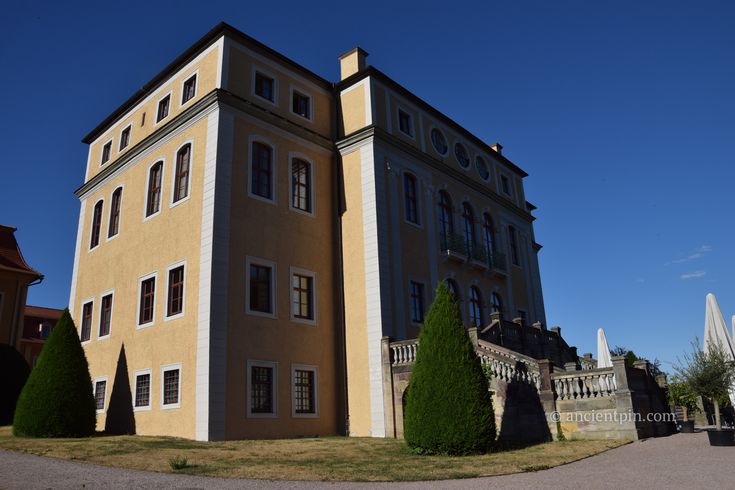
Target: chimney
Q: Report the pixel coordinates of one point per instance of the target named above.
(498, 148)
(351, 62)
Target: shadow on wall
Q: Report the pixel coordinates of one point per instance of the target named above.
(120, 418)
(14, 375)
(524, 420)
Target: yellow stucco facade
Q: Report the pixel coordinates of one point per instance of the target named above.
(299, 253)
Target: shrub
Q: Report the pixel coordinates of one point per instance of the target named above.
(448, 406)
(57, 400)
(178, 463)
(681, 395)
(14, 371)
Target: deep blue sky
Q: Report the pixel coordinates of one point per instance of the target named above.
(622, 113)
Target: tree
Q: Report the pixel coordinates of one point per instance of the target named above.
(681, 395)
(57, 399)
(708, 374)
(630, 357)
(448, 405)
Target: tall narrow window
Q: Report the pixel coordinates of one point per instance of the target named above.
(301, 104)
(446, 222)
(86, 332)
(301, 185)
(505, 184)
(105, 315)
(94, 239)
(181, 182)
(468, 227)
(405, 123)
(496, 303)
(453, 289)
(106, 150)
(171, 378)
(153, 203)
(303, 296)
(163, 107)
(265, 86)
(260, 288)
(410, 199)
(489, 235)
(175, 302)
(261, 390)
(125, 138)
(100, 387)
(114, 225)
(417, 302)
(262, 170)
(143, 390)
(513, 239)
(147, 298)
(304, 391)
(475, 307)
(189, 89)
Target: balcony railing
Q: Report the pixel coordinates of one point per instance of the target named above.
(498, 262)
(454, 246)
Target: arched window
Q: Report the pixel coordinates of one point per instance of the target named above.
(410, 199)
(453, 289)
(301, 185)
(475, 307)
(153, 202)
(114, 225)
(446, 223)
(181, 182)
(496, 303)
(489, 235)
(262, 170)
(468, 226)
(94, 239)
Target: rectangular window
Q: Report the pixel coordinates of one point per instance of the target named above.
(411, 200)
(262, 170)
(262, 389)
(114, 225)
(405, 123)
(260, 288)
(155, 175)
(175, 303)
(303, 296)
(171, 387)
(106, 150)
(143, 390)
(301, 104)
(94, 238)
(513, 238)
(505, 184)
(181, 179)
(86, 332)
(265, 86)
(125, 138)
(417, 302)
(100, 388)
(301, 185)
(304, 391)
(163, 106)
(147, 297)
(105, 315)
(189, 89)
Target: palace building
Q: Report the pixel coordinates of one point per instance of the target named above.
(251, 235)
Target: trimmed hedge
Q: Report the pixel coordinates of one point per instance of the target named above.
(14, 371)
(448, 406)
(57, 400)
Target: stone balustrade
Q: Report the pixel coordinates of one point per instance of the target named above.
(403, 352)
(590, 383)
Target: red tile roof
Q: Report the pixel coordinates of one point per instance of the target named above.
(43, 312)
(10, 257)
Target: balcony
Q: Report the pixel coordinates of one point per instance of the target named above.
(478, 257)
(498, 262)
(453, 247)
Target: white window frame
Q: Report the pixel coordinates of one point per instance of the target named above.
(102, 152)
(94, 392)
(158, 103)
(171, 367)
(258, 69)
(112, 309)
(303, 272)
(138, 325)
(274, 303)
(142, 372)
(419, 207)
(171, 203)
(81, 321)
(91, 225)
(147, 183)
(412, 125)
(312, 196)
(315, 370)
(175, 265)
(185, 79)
(130, 137)
(305, 93)
(253, 138)
(274, 389)
(119, 217)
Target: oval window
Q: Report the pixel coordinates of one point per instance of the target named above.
(439, 141)
(482, 168)
(461, 153)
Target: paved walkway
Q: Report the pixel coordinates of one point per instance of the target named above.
(682, 461)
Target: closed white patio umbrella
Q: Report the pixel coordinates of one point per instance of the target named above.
(603, 350)
(716, 332)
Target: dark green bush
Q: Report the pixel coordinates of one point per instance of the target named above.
(14, 371)
(448, 406)
(57, 399)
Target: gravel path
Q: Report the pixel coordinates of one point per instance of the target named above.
(683, 461)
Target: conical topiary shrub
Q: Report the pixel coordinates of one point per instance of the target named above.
(448, 407)
(57, 399)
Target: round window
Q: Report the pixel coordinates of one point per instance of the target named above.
(461, 153)
(482, 168)
(439, 141)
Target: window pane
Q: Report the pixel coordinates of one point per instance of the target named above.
(261, 170)
(163, 108)
(260, 288)
(143, 390)
(114, 225)
(99, 394)
(301, 185)
(171, 387)
(105, 315)
(261, 389)
(181, 184)
(96, 225)
(147, 294)
(303, 297)
(264, 86)
(304, 391)
(175, 291)
(86, 322)
(189, 89)
(154, 189)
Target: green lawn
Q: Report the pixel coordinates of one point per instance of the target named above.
(328, 458)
